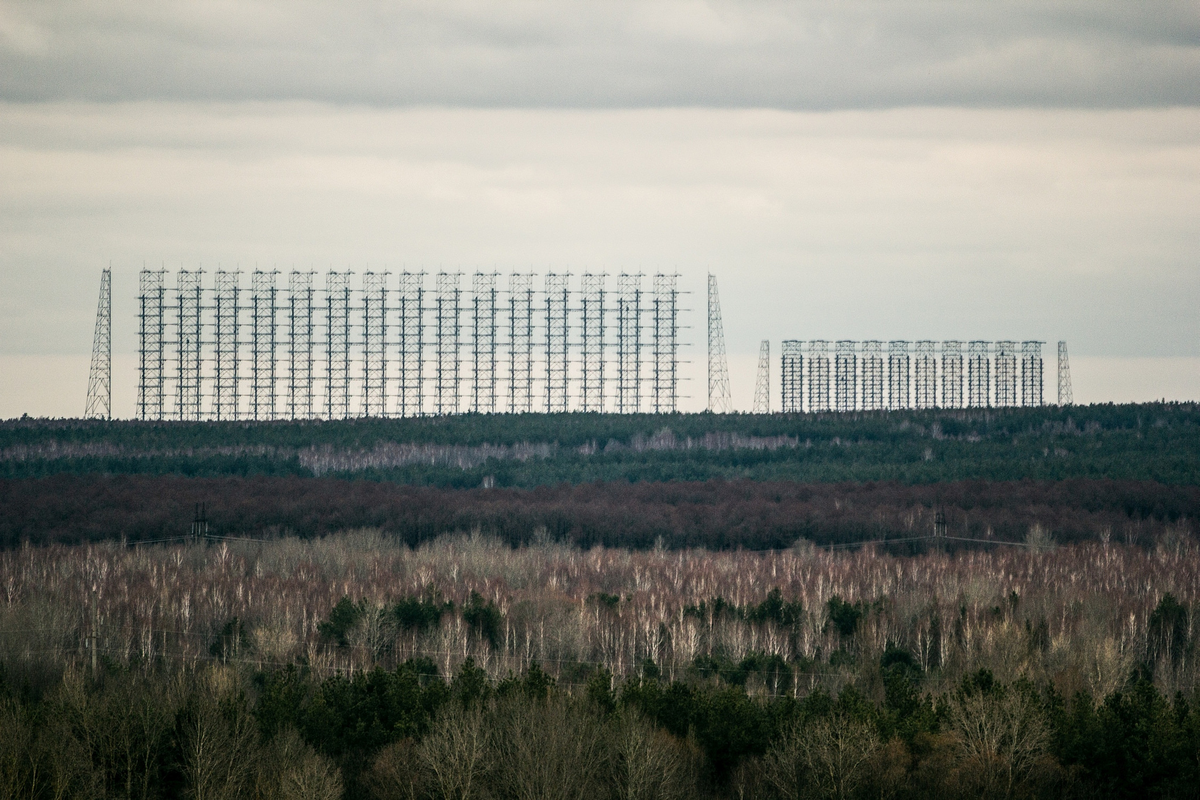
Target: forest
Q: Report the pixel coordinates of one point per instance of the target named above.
(356, 666)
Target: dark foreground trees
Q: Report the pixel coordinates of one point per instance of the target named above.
(220, 732)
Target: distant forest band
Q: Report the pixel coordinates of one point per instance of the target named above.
(392, 347)
(876, 375)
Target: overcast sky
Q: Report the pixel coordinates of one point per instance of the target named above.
(887, 169)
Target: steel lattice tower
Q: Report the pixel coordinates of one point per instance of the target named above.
(558, 296)
(979, 376)
(264, 310)
(411, 402)
(791, 376)
(818, 375)
(520, 343)
(1031, 373)
(375, 332)
(952, 374)
(226, 329)
(483, 343)
(899, 374)
(629, 343)
(666, 344)
(99, 391)
(189, 297)
(152, 396)
(591, 395)
(447, 313)
(1065, 396)
(300, 345)
(872, 376)
(845, 375)
(720, 400)
(337, 345)
(925, 375)
(762, 384)
(1006, 374)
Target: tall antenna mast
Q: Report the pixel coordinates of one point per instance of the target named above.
(1065, 396)
(719, 400)
(762, 387)
(99, 393)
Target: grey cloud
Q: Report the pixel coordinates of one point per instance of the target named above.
(608, 53)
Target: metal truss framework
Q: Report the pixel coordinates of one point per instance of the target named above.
(152, 393)
(665, 390)
(520, 343)
(818, 375)
(558, 304)
(952, 374)
(300, 401)
(872, 376)
(483, 342)
(898, 375)
(1066, 397)
(411, 344)
(762, 383)
(925, 374)
(629, 343)
(591, 387)
(720, 399)
(1006, 374)
(448, 335)
(337, 345)
(1031, 373)
(791, 376)
(979, 374)
(375, 316)
(188, 346)
(845, 375)
(99, 391)
(264, 310)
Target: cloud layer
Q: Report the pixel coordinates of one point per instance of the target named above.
(608, 53)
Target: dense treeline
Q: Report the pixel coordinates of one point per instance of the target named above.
(1159, 442)
(227, 732)
(712, 514)
(354, 666)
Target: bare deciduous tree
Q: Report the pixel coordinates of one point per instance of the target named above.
(1000, 739)
(547, 750)
(648, 762)
(456, 754)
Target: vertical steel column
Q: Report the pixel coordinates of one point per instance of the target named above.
(483, 343)
(412, 344)
(449, 338)
(629, 343)
(1006, 374)
(899, 374)
(520, 343)
(979, 374)
(375, 329)
(337, 345)
(591, 396)
(300, 346)
(98, 404)
(558, 295)
(1031, 373)
(226, 401)
(263, 344)
(791, 376)
(818, 375)
(925, 375)
(189, 298)
(666, 344)
(1066, 397)
(720, 399)
(872, 376)
(151, 400)
(952, 374)
(762, 383)
(845, 375)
